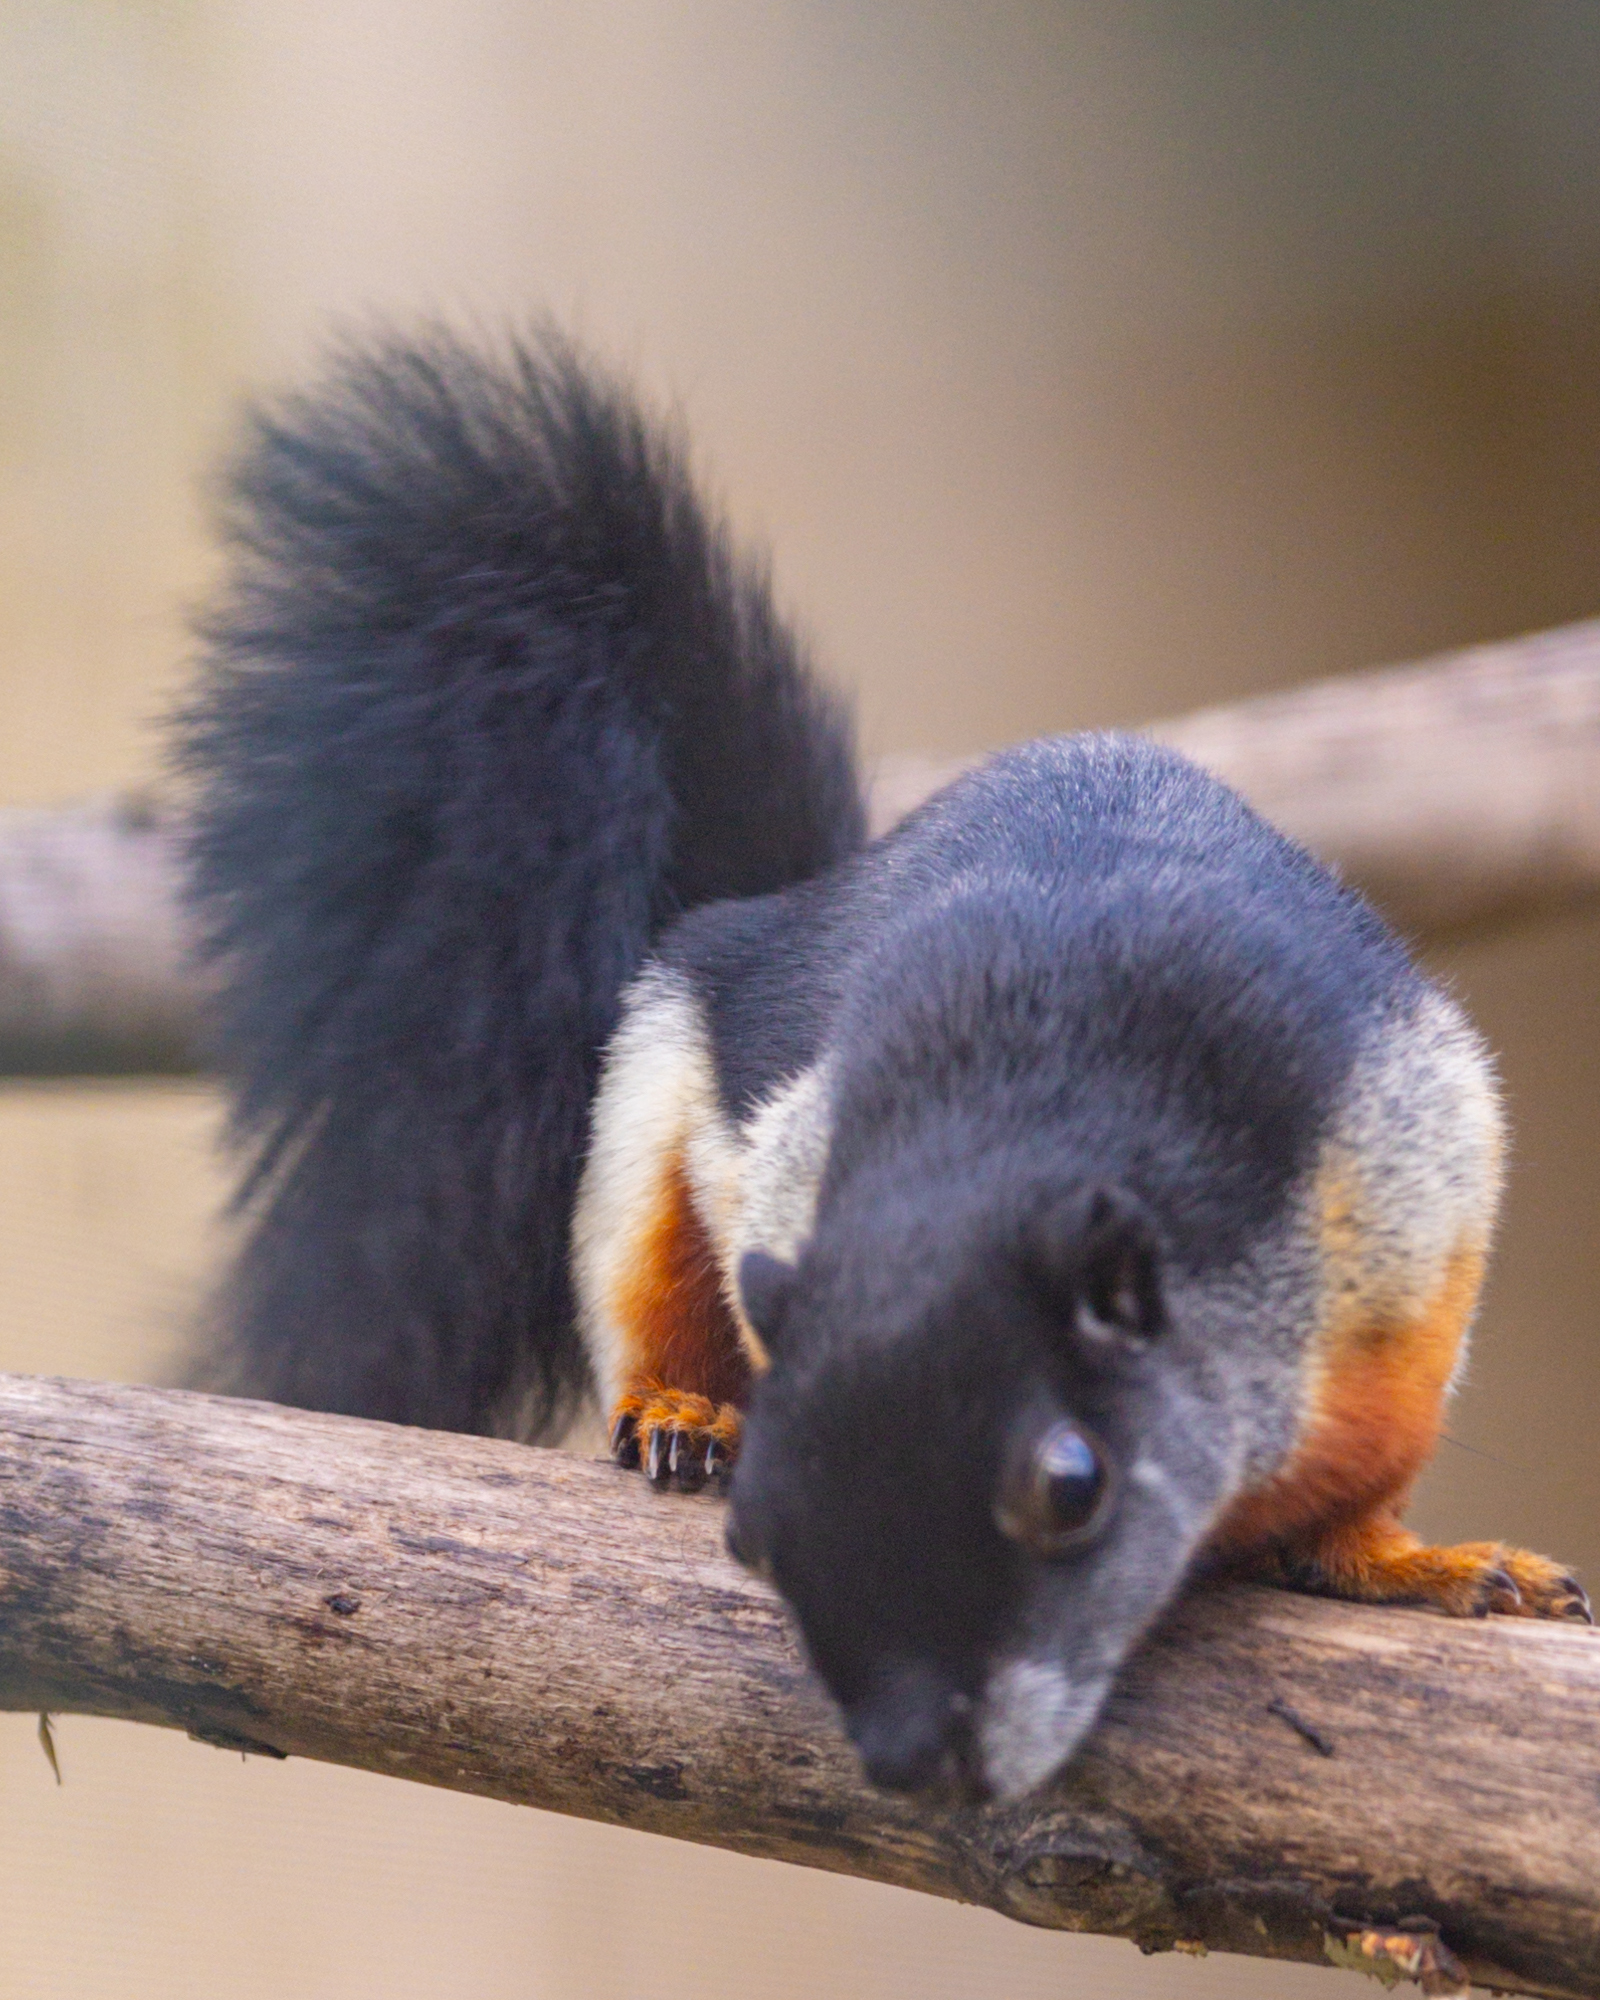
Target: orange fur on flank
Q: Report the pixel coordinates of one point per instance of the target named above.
(1330, 1517)
(1373, 1422)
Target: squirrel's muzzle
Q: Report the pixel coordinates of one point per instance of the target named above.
(915, 1734)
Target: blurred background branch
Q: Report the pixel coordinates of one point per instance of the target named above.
(1459, 793)
(93, 978)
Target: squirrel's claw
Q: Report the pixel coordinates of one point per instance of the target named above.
(625, 1439)
(681, 1441)
(686, 1462)
(1497, 1591)
(1545, 1589)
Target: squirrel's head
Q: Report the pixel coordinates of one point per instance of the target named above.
(979, 1465)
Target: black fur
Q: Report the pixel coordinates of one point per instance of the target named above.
(1091, 951)
(490, 699)
(1088, 1021)
(1086, 948)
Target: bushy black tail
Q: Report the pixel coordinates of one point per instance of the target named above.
(490, 699)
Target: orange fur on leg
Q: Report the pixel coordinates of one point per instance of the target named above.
(1372, 1425)
(679, 1415)
(678, 1327)
(1376, 1560)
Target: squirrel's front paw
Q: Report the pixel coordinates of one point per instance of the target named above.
(1544, 1589)
(680, 1439)
(1378, 1562)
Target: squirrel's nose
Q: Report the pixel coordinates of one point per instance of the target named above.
(915, 1735)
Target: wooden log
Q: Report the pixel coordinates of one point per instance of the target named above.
(1274, 1775)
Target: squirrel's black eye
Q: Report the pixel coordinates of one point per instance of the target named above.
(1054, 1490)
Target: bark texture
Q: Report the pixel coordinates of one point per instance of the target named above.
(1275, 1775)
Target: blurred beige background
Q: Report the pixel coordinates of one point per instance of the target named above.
(1079, 363)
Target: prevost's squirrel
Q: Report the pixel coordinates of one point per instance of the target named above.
(1074, 1188)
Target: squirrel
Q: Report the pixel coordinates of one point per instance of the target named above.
(1071, 1191)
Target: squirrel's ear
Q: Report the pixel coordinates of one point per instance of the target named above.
(1097, 1263)
(764, 1287)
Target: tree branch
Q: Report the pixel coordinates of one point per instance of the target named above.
(1460, 792)
(1275, 1775)
(92, 973)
